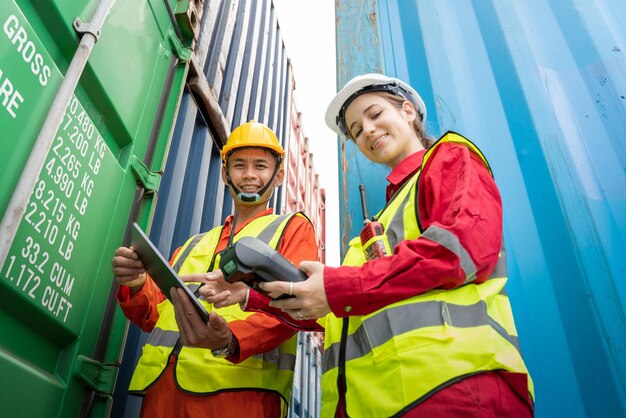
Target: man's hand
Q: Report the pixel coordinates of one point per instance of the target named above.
(213, 335)
(128, 269)
(310, 296)
(218, 291)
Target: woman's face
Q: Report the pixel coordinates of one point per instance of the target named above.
(383, 132)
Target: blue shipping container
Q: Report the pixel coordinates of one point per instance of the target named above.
(540, 87)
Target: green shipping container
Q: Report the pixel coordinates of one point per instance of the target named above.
(88, 93)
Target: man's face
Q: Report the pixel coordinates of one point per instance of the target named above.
(250, 169)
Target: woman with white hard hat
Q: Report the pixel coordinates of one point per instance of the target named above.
(427, 329)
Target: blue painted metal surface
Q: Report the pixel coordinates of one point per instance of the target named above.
(540, 87)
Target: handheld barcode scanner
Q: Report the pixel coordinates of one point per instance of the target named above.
(252, 261)
(372, 235)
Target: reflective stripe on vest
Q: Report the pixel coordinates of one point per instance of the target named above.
(450, 241)
(403, 352)
(381, 328)
(267, 235)
(197, 371)
(284, 361)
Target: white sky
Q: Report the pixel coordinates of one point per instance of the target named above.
(308, 29)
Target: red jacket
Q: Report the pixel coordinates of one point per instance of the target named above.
(457, 193)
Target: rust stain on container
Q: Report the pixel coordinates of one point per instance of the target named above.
(347, 219)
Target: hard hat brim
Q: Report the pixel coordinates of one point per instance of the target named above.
(252, 134)
(364, 84)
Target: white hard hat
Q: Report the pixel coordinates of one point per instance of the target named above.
(364, 84)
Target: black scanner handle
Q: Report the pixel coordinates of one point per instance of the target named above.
(256, 261)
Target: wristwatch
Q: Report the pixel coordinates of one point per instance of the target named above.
(228, 350)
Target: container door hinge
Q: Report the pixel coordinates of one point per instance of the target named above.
(99, 377)
(149, 180)
(84, 27)
(183, 54)
(188, 15)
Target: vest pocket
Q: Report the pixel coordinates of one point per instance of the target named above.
(411, 341)
(407, 327)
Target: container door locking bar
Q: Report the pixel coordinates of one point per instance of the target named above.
(97, 376)
(148, 179)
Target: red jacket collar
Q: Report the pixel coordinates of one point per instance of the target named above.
(403, 172)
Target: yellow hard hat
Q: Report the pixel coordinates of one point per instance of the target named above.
(252, 134)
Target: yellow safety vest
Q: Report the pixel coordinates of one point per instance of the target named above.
(196, 369)
(396, 357)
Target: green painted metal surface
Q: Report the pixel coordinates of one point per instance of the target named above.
(58, 337)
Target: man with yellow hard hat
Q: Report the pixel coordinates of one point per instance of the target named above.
(238, 363)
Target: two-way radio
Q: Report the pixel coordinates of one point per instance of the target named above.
(372, 235)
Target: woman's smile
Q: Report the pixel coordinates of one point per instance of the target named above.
(378, 142)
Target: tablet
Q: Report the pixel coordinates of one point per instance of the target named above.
(159, 269)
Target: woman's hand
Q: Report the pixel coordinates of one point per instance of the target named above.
(310, 300)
